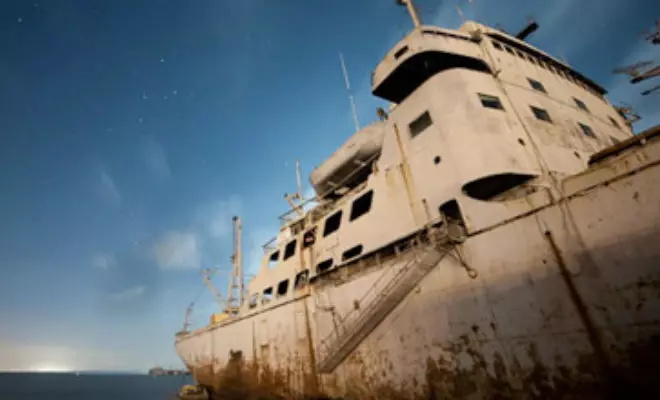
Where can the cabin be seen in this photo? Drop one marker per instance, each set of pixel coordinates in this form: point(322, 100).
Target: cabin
point(482, 125)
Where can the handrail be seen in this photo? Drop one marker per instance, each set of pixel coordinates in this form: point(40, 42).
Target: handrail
point(374, 291)
point(361, 166)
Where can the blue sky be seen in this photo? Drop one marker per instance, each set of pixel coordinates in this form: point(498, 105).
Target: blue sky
point(131, 132)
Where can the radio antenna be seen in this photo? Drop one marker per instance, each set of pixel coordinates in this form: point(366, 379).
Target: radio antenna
point(350, 95)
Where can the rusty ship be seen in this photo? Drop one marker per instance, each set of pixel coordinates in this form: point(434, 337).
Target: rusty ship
point(495, 234)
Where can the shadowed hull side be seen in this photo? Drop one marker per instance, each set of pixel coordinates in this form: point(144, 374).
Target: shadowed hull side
point(566, 304)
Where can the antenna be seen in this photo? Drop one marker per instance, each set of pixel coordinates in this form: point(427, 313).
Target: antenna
point(298, 179)
point(350, 95)
point(460, 12)
point(412, 11)
point(236, 280)
point(298, 195)
point(238, 258)
point(186, 321)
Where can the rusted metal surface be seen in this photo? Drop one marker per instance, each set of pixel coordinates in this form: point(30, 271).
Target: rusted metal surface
point(636, 140)
point(563, 295)
point(570, 314)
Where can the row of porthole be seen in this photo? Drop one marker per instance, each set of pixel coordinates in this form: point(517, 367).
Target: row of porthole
point(359, 207)
point(494, 102)
point(547, 65)
point(302, 278)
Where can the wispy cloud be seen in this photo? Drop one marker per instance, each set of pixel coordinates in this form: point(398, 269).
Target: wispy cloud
point(218, 216)
point(156, 158)
point(108, 190)
point(129, 294)
point(177, 250)
point(104, 261)
point(254, 250)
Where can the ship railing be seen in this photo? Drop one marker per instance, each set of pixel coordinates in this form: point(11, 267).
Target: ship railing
point(319, 198)
point(387, 279)
point(380, 299)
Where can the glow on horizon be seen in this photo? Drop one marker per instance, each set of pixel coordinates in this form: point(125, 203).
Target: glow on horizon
point(50, 367)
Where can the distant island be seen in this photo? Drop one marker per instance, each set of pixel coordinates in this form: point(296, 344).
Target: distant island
point(158, 371)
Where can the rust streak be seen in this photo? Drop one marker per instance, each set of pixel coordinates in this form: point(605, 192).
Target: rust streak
point(592, 332)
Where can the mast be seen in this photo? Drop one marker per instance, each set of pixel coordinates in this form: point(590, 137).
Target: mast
point(348, 89)
point(238, 259)
point(412, 11)
point(291, 199)
point(299, 180)
point(235, 300)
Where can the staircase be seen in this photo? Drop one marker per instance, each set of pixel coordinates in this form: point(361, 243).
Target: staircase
point(386, 293)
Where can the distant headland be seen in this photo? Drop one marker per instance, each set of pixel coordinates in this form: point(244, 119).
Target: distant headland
point(158, 371)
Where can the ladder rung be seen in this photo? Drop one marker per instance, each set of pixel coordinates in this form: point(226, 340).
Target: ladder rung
point(339, 345)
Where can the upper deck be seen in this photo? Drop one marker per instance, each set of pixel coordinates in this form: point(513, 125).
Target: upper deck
point(429, 50)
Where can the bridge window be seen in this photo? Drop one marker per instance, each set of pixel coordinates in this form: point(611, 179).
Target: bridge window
point(289, 250)
point(400, 52)
point(581, 104)
point(536, 85)
point(509, 50)
point(420, 124)
point(324, 266)
point(253, 300)
point(361, 205)
point(309, 238)
point(272, 260)
point(332, 223)
point(489, 101)
point(541, 114)
point(301, 279)
point(586, 129)
point(613, 121)
point(352, 252)
point(282, 288)
point(268, 295)
point(497, 45)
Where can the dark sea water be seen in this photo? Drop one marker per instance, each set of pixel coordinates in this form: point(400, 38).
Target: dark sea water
point(47, 386)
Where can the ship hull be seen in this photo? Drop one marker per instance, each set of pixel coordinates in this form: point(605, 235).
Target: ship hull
point(565, 303)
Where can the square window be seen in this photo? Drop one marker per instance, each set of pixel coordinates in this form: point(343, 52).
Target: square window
point(586, 129)
point(253, 300)
point(541, 114)
point(536, 85)
point(489, 101)
point(581, 104)
point(267, 296)
point(289, 250)
point(361, 205)
point(497, 45)
point(332, 223)
point(282, 288)
point(301, 279)
point(420, 124)
point(510, 50)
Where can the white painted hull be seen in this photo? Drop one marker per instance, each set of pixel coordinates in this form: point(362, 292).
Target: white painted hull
point(566, 302)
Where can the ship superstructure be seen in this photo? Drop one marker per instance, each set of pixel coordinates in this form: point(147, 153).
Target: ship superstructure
point(487, 237)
